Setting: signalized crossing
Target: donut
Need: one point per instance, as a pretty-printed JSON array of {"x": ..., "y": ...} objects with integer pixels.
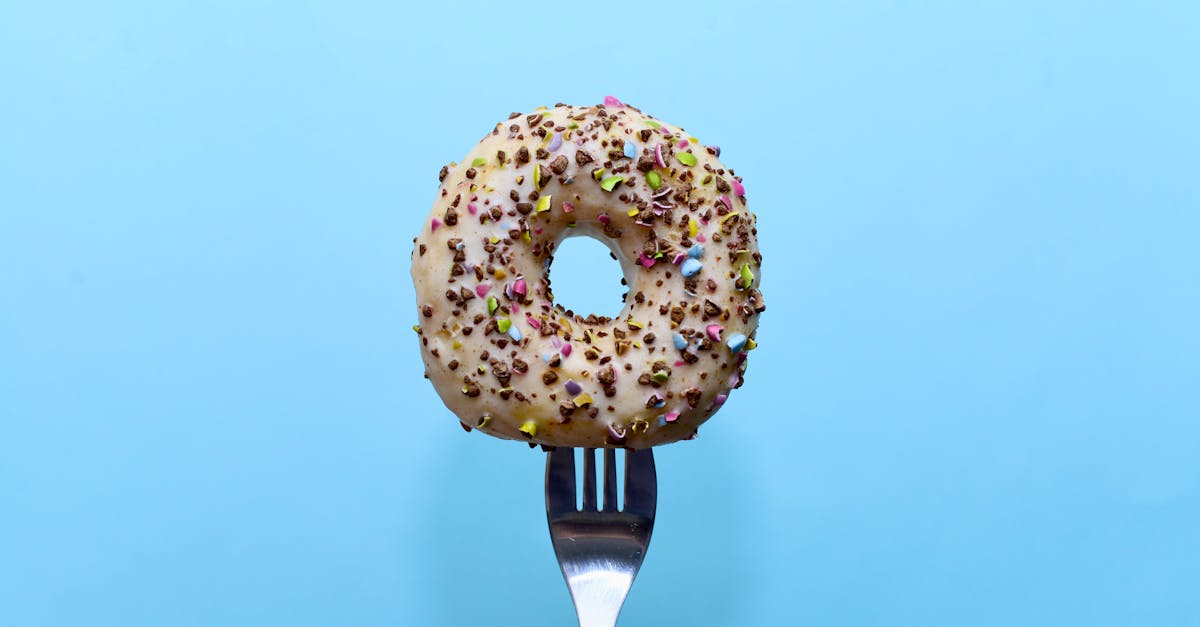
[{"x": 511, "y": 362}]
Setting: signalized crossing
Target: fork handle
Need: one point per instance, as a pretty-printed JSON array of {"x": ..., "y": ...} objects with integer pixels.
[{"x": 599, "y": 595}]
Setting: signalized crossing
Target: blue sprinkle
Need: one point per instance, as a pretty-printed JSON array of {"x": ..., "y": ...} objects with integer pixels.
[
  {"x": 736, "y": 342},
  {"x": 514, "y": 333},
  {"x": 690, "y": 267},
  {"x": 630, "y": 149},
  {"x": 680, "y": 343},
  {"x": 696, "y": 252},
  {"x": 660, "y": 404}
]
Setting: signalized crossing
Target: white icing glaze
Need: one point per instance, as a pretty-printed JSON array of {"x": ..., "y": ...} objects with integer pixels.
[{"x": 481, "y": 240}]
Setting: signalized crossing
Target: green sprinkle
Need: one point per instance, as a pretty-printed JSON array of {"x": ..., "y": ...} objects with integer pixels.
[
  {"x": 661, "y": 376},
  {"x": 504, "y": 324},
  {"x": 493, "y": 304},
  {"x": 544, "y": 203},
  {"x": 478, "y": 162},
  {"x": 653, "y": 124},
  {"x": 654, "y": 179},
  {"x": 747, "y": 276},
  {"x": 686, "y": 158},
  {"x": 573, "y": 125},
  {"x": 609, "y": 183}
]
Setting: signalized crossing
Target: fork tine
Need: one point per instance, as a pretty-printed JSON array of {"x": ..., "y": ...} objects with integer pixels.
[
  {"x": 641, "y": 483},
  {"x": 589, "y": 479},
  {"x": 560, "y": 481},
  {"x": 610, "y": 480}
]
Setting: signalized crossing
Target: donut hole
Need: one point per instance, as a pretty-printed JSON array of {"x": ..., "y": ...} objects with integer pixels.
[{"x": 586, "y": 277}]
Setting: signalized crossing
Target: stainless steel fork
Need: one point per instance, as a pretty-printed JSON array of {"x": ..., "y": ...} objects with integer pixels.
[{"x": 599, "y": 547}]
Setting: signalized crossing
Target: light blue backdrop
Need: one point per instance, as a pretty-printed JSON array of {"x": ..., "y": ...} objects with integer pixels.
[{"x": 975, "y": 403}]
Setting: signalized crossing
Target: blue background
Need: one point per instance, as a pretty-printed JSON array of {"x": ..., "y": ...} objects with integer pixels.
[{"x": 975, "y": 400}]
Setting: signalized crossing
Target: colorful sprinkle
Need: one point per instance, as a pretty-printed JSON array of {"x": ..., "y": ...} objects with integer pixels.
[
  {"x": 645, "y": 261},
  {"x": 630, "y": 150},
  {"x": 434, "y": 224},
  {"x": 537, "y": 176},
  {"x": 568, "y": 207},
  {"x": 598, "y": 173},
  {"x": 671, "y": 416},
  {"x": 519, "y": 287},
  {"x": 514, "y": 333},
  {"x": 658, "y": 156},
  {"x": 696, "y": 252},
  {"x": 661, "y": 376},
  {"x": 736, "y": 342},
  {"x": 634, "y": 324},
  {"x": 653, "y": 124},
  {"x": 751, "y": 345},
  {"x": 529, "y": 428},
  {"x": 653, "y": 180},
  {"x": 503, "y": 325},
  {"x": 738, "y": 188},
  {"x": 483, "y": 421},
  {"x": 690, "y": 267},
  {"x": 724, "y": 198},
  {"x": 555, "y": 142},
  {"x": 693, "y": 227},
  {"x": 611, "y": 101},
  {"x": 747, "y": 277},
  {"x": 716, "y": 150},
  {"x": 492, "y": 305},
  {"x": 686, "y": 158},
  {"x": 610, "y": 182},
  {"x": 582, "y": 400},
  {"x": 720, "y": 399},
  {"x": 680, "y": 342},
  {"x": 478, "y": 162},
  {"x": 566, "y": 350},
  {"x": 573, "y": 388},
  {"x": 714, "y": 332}
]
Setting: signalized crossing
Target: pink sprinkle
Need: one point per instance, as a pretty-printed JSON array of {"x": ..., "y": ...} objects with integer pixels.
[
  {"x": 603, "y": 218},
  {"x": 671, "y": 416},
  {"x": 566, "y": 350},
  {"x": 658, "y": 158},
  {"x": 611, "y": 101},
  {"x": 533, "y": 322},
  {"x": 714, "y": 332},
  {"x": 519, "y": 286},
  {"x": 678, "y": 259},
  {"x": 538, "y": 230},
  {"x": 515, "y": 309},
  {"x": 700, "y": 238},
  {"x": 568, "y": 207},
  {"x": 683, "y": 143},
  {"x": 738, "y": 188},
  {"x": 720, "y": 399},
  {"x": 482, "y": 289},
  {"x": 434, "y": 224},
  {"x": 472, "y": 208},
  {"x": 644, "y": 260},
  {"x": 725, "y": 199},
  {"x": 678, "y": 363}
]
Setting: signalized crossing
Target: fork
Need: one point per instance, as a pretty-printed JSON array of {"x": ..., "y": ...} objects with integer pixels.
[{"x": 599, "y": 547}]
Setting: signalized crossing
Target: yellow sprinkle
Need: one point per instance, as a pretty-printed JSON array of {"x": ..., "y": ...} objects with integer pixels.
[
  {"x": 456, "y": 345},
  {"x": 639, "y": 425},
  {"x": 500, "y": 273},
  {"x": 473, "y": 187},
  {"x": 481, "y": 368},
  {"x": 693, "y": 227},
  {"x": 631, "y": 212},
  {"x": 583, "y": 400},
  {"x": 537, "y": 176},
  {"x": 483, "y": 421},
  {"x": 495, "y": 240},
  {"x": 529, "y": 428},
  {"x": 598, "y": 173},
  {"x": 544, "y": 203},
  {"x": 565, "y": 324},
  {"x": 728, "y": 216},
  {"x": 525, "y": 237},
  {"x": 693, "y": 140},
  {"x": 751, "y": 345},
  {"x": 417, "y": 328},
  {"x": 634, "y": 324}
]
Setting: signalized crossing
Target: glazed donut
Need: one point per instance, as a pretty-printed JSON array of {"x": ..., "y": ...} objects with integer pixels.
[{"x": 508, "y": 360}]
